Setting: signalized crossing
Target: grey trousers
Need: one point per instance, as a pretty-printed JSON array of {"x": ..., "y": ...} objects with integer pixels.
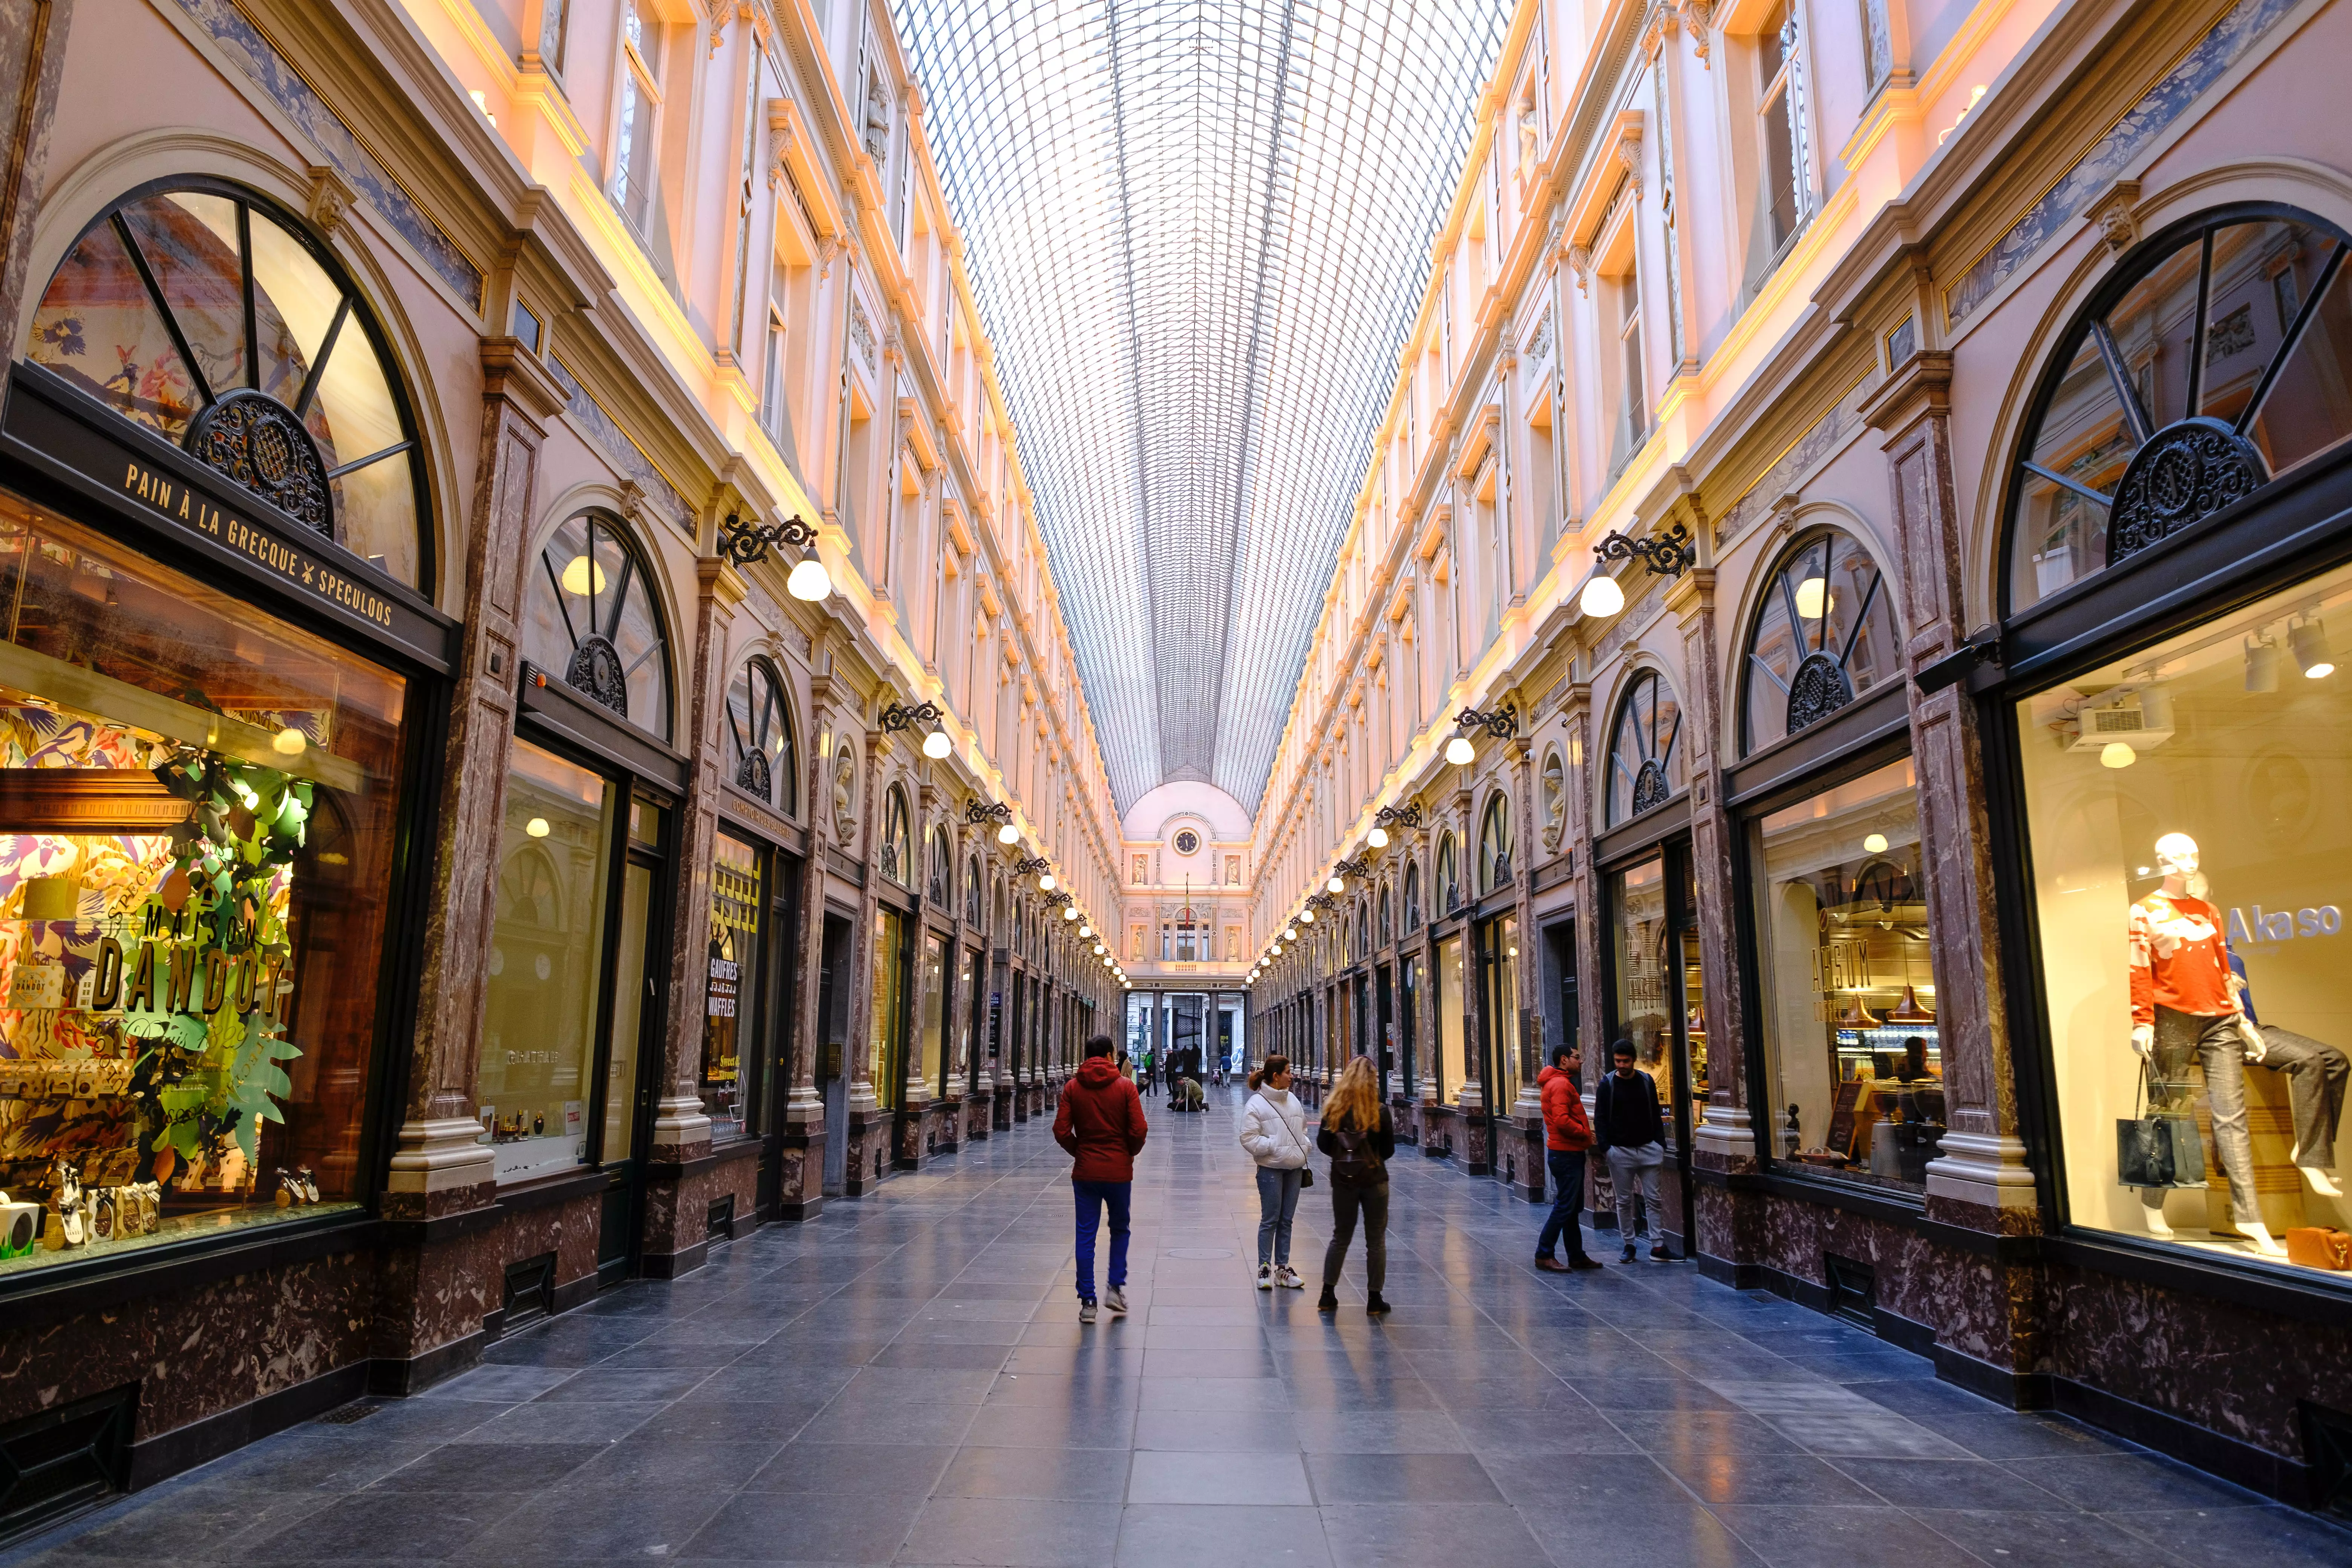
[
  {"x": 2214, "y": 1044},
  {"x": 1629, "y": 1168},
  {"x": 2316, "y": 1072}
]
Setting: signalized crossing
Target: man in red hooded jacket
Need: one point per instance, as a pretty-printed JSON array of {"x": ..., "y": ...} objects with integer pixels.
[
  {"x": 1567, "y": 1134},
  {"x": 1101, "y": 1122}
]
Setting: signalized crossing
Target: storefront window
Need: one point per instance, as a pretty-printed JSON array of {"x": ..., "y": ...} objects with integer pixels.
[
  {"x": 1501, "y": 943},
  {"x": 280, "y": 356},
  {"x": 198, "y": 811},
  {"x": 933, "y": 1019},
  {"x": 1642, "y": 937},
  {"x": 629, "y": 987},
  {"x": 2184, "y": 824},
  {"x": 591, "y": 621},
  {"x": 1850, "y": 1047},
  {"x": 1452, "y": 997},
  {"x": 1824, "y": 634},
  {"x": 965, "y": 1004},
  {"x": 546, "y": 952},
  {"x": 886, "y": 1037},
  {"x": 731, "y": 1049},
  {"x": 1645, "y": 751}
]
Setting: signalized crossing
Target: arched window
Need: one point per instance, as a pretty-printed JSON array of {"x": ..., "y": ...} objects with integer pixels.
[
  {"x": 1646, "y": 755},
  {"x": 1495, "y": 845},
  {"x": 201, "y": 312},
  {"x": 1412, "y": 898},
  {"x": 942, "y": 886},
  {"x": 1363, "y": 927},
  {"x": 897, "y": 838},
  {"x": 1449, "y": 876},
  {"x": 1553, "y": 799},
  {"x": 1825, "y": 634},
  {"x": 971, "y": 891},
  {"x": 2133, "y": 438},
  {"x": 593, "y": 622},
  {"x": 1388, "y": 923},
  {"x": 761, "y": 754}
]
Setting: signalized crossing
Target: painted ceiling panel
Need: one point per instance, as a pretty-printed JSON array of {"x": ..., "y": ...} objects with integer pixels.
[{"x": 1198, "y": 230}]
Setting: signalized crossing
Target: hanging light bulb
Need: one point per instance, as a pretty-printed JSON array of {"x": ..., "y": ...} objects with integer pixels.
[
  {"x": 936, "y": 744},
  {"x": 809, "y": 580},
  {"x": 1085, "y": 931},
  {"x": 2309, "y": 640},
  {"x": 1290, "y": 933},
  {"x": 536, "y": 828},
  {"x": 1008, "y": 834},
  {"x": 1099, "y": 947},
  {"x": 1876, "y": 843},
  {"x": 2117, "y": 755},
  {"x": 1601, "y": 596},
  {"x": 1070, "y": 914},
  {"x": 1306, "y": 915},
  {"x": 1334, "y": 885},
  {"x": 1045, "y": 883},
  {"x": 1378, "y": 838},
  {"x": 1813, "y": 596},
  {"x": 583, "y": 577},
  {"x": 1460, "y": 752}
]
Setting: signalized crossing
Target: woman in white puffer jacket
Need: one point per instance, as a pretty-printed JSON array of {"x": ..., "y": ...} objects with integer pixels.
[{"x": 1273, "y": 1131}]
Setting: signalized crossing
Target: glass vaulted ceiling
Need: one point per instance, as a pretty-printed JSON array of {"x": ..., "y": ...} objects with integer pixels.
[{"x": 1198, "y": 232}]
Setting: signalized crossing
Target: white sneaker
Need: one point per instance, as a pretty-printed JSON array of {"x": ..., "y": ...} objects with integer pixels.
[
  {"x": 1115, "y": 1299},
  {"x": 1287, "y": 1278},
  {"x": 1085, "y": 1311},
  {"x": 1265, "y": 1276}
]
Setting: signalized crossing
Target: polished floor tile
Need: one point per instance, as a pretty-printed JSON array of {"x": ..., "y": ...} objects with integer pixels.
[{"x": 904, "y": 1380}]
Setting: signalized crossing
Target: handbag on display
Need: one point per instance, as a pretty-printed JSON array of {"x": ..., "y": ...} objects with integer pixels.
[
  {"x": 2320, "y": 1247},
  {"x": 2158, "y": 1150}
]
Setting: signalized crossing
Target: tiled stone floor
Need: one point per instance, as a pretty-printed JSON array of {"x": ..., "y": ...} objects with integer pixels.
[{"x": 904, "y": 1381}]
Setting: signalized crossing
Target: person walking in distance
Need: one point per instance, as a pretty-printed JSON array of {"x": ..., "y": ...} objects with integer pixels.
[
  {"x": 1357, "y": 1133},
  {"x": 1630, "y": 1130},
  {"x": 1273, "y": 1131},
  {"x": 1567, "y": 1137},
  {"x": 1100, "y": 1124}
]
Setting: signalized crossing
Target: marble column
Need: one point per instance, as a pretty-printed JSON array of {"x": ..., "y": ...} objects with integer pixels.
[
  {"x": 1527, "y": 1105},
  {"x": 800, "y": 1192},
  {"x": 32, "y": 62},
  {"x": 1592, "y": 915},
  {"x": 870, "y": 1125},
  {"x": 1471, "y": 1100},
  {"x": 1981, "y": 1179}
]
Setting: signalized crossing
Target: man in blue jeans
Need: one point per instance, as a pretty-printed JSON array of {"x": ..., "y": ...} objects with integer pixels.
[
  {"x": 1567, "y": 1138},
  {"x": 1100, "y": 1123}
]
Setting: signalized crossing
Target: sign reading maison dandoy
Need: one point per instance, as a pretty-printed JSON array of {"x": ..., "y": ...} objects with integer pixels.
[{"x": 50, "y": 426}]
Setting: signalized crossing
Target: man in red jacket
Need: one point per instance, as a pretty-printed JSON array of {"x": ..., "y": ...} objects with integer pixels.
[
  {"x": 1567, "y": 1136},
  {"x": 1101, "y": 1122}
]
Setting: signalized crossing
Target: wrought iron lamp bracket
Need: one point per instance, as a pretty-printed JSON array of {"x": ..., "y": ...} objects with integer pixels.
[
  {"x": 744, "y": 542},
  {"x": 1502, "y": 723},
  {"x": 1669, "y": 553},
  {"x": 896, "y": 717}
]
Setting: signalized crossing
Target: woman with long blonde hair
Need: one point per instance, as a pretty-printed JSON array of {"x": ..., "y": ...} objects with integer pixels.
[{"x": 1361, "y": 1139}]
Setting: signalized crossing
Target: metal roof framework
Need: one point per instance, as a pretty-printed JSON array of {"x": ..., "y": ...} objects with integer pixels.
[{"x": 1198, "y": 231}]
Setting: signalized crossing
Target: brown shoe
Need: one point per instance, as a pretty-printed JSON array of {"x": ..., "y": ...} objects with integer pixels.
[{"x": 1551, "y": 1266}]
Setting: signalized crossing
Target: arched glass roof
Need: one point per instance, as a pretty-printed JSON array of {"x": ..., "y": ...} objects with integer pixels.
[{"x": 1198, "y": 230}]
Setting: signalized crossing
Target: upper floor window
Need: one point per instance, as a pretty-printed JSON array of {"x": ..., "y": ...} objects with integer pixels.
[
  {"x": 897, "y": 838},
  {"x": 1780, "y": 136},
  {"x": 2138, "y": 435},
  {"x": 1825, "y": 634},
  {"x": 199, "y": 314},
  {"x": 636, "y": 131},
  {"x": 1646, "y": 755},
  {"x": 1495, "y": 845},
  {"x": 594, "y": 623},
  {"x": 760, "y": 737},
  {"x": 775, "y": 408}
]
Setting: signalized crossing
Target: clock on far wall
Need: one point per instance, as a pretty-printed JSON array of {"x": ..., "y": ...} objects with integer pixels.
[{"x": 1187, "y": 841}]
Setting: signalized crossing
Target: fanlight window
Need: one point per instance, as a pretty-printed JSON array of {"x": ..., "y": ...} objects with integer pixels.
[
  {"x": 1412, "y": 898},
  {"x": 897, "y": 838},
  {"x": 760, "y": 737},
  {"x": 2140, "y": 432},
  {"x": 1388, "y": 923},
  {"x": 1645, "y": 760},
  {"x": 592, "y": 623},
  {"x": 1825, "y": 634},
  {"x": 204, "y": 316},
  {"x": 943, "y": 867},
  {"x": 1449, "y": 876},
  {"x": 971, "y": 891},
  {"x": 1495, "y": 846}
]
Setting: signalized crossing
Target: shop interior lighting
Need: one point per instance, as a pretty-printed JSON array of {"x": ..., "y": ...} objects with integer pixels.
[
  {"x": 536, "y": 828},
  {"x": 289, "y": 742},
  {"x": 2309, "y": 640},
  {"x": 1601, "y": 596},
  {"x": 2117, "y": 754},
  {"x": 1876, "y": 843},
  {"x": 2262, "y": 665}
]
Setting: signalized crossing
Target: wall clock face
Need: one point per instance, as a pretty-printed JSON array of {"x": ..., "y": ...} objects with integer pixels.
[{"x": 1188, "y": 842}]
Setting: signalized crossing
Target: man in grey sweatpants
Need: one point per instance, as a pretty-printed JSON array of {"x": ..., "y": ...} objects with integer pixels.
[{"x": 1629, "y": 1129}]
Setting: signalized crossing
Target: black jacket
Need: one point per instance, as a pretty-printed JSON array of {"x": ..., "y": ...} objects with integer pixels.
[
  {"x": 1383, "y": 1140},
  {"x": 1625, "y": 1113}
]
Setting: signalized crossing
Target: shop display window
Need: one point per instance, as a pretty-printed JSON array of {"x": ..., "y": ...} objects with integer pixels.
[
  {"x": 728, "y": 1078},
  {"x": 546, "y": 953},
  {"x": 1848, "y": 1017},
  {"x": 1501, "y": 961},
  {"x": 1453, "y": 996},
  {"x": 931, "y": 1015},
  {"x": 1645, "y": 750},
  {"x": 965, "y": 1004},
  {"x": 1654, "y": 953},
  {"x": 887, "y": 1026},
  {"x": 2185, "y": 825},
  {"x": 2126, "y": 411},
  {"x": 630, "y": 961},
  {"x": 199, "y": 812},
  {"x": 202, "y": 315}
]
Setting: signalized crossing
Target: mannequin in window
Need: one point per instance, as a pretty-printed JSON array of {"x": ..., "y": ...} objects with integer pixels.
[
  {"x": 2315, "y": 1073},
  {"x": 2185, "y": 1007}
]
